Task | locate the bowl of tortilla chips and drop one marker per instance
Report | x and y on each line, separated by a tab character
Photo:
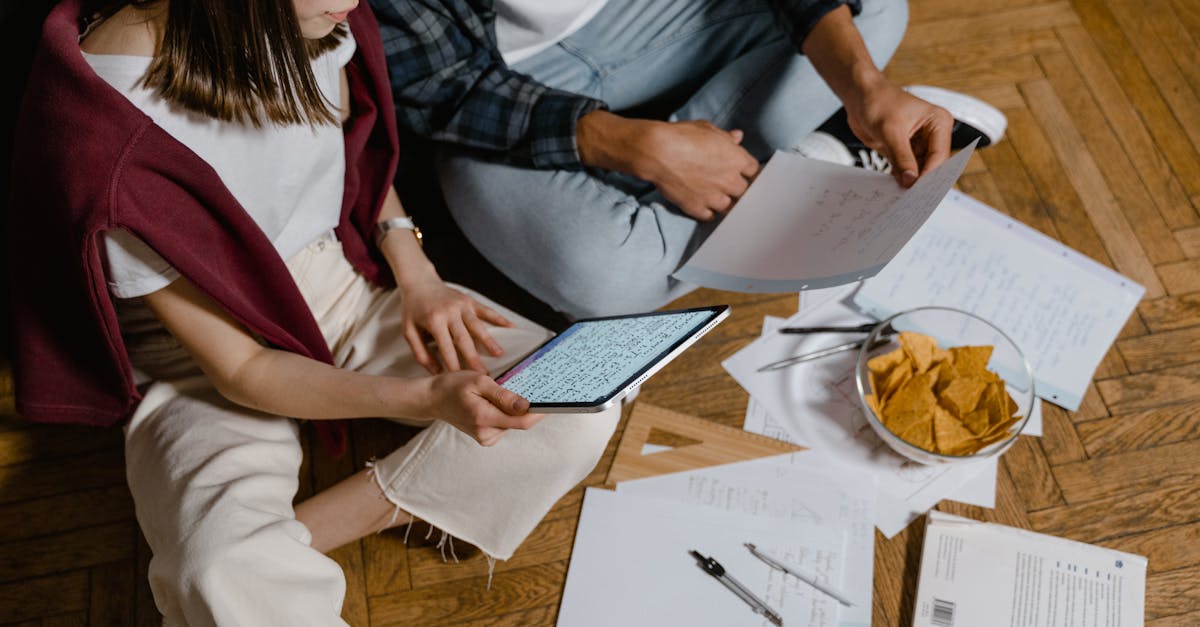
941	385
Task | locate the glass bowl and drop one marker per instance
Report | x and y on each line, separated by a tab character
950	328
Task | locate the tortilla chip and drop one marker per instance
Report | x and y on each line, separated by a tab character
961	396
971	360
919	348
977	421
883	363
913	396
919	434
896	379
949	434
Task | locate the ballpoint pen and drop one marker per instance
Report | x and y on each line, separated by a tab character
806	579
880	339
714	568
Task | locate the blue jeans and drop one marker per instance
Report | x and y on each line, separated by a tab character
592	243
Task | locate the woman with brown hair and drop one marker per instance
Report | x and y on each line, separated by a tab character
205	240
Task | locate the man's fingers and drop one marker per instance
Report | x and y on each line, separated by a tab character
420	352
900	153
937	147
737	135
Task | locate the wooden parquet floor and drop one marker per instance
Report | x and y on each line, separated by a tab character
1102	153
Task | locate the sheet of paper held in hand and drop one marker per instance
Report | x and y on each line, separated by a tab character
808	224
1061	307
987	575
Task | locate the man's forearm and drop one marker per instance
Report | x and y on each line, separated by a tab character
837	51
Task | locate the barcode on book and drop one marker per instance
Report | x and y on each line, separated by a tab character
943	613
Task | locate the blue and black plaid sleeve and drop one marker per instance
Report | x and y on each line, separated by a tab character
451	85
798	17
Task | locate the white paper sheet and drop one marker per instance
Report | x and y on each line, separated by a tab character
808	487
1063	309
808	224
816	405
630	565
988	575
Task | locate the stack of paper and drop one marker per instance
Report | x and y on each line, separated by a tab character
630	564
987	575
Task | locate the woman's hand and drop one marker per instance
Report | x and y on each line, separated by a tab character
454	321
478	406
913	134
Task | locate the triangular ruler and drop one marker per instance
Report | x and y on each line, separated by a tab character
718	445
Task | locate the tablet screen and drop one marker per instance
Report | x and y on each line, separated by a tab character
594	359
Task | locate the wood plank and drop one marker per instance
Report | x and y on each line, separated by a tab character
1059	440
112	593
73	619
1189	241
550	541
34	479
327	472
1161	350
1155	171
1181	277
1172	593
1029	472
1120	515
929	10
1135	81
1130	472
1004	96
893	597
992	24
1111	365
470	599
969	77
34	597
1172	312
22	442
1068	219
1166	549
1191	619
1092	406
385	561
58	553
1181	44
537	616
1106	215
1116	167
1021	199
1148	44
982	187
915	57
1147	429
56	514
1149	390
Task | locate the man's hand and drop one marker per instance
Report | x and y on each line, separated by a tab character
913	134
700	168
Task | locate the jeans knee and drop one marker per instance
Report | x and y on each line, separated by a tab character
882	24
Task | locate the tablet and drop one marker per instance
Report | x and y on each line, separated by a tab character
595	362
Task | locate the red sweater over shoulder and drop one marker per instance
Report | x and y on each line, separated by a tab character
87	160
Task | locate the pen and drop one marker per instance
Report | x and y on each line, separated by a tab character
862	328
714	568
806	579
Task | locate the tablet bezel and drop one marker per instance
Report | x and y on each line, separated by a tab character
718	313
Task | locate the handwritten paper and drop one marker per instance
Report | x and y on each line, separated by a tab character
630	565
1061	308
809	487
808	224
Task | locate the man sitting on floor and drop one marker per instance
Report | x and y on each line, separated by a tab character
586	146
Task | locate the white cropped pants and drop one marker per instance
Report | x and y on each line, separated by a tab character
213	482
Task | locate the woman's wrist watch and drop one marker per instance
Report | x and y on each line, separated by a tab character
382	228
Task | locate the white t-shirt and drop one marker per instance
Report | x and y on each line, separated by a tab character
527	27
288	178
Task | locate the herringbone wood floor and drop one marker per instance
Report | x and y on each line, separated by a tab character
1102	152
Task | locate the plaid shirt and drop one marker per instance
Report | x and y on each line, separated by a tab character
451	85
